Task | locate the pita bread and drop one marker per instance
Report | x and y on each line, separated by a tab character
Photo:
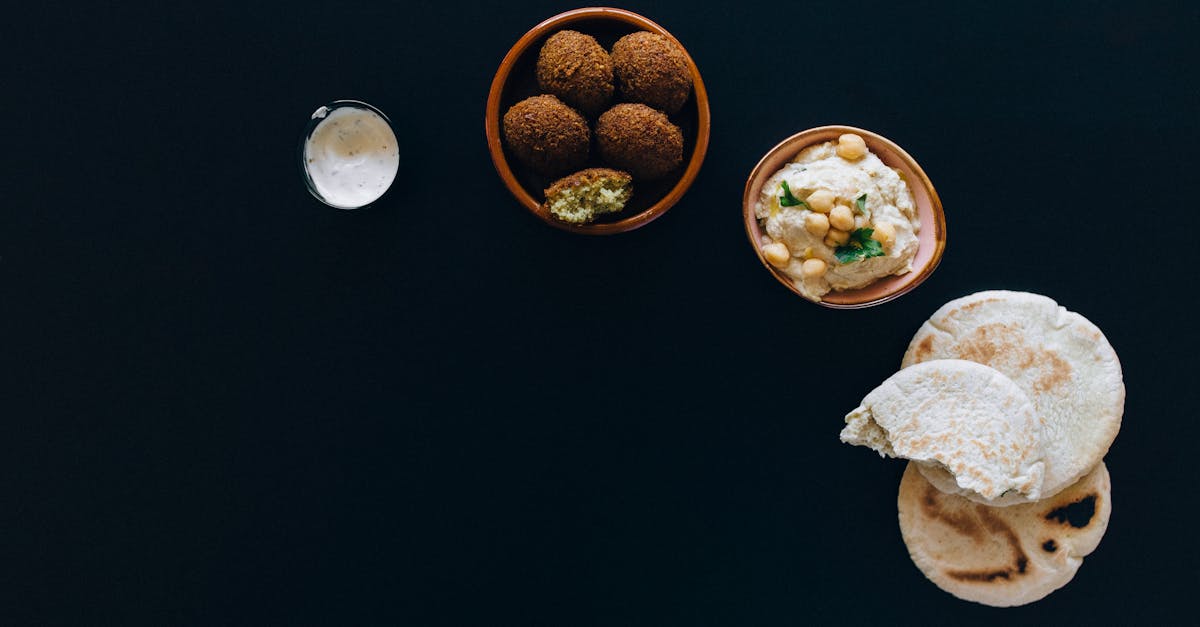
956	415
1061	361
1002	556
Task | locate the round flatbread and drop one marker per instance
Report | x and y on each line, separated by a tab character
1002	556
959	416
1057	357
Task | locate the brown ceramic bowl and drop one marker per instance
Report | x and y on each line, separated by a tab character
516	80
929	209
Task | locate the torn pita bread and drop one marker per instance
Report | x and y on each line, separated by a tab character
959	416
1058	358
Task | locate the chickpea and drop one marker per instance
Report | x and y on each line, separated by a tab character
851	147
812	268
817	224
821	200
836	238
777	254
842	218
885	234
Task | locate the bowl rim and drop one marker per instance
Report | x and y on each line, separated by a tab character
798	142
315	119
492	122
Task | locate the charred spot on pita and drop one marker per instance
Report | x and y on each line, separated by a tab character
986	575
1049	546
998	527
1077	514
925	348
961	522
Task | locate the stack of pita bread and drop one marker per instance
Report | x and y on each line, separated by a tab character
1005	406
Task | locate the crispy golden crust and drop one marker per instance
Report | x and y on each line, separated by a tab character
652	69
587	177
547	135
640	140
573	66
586	195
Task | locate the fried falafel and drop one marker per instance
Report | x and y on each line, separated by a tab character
585	195
640	140
574	67
653	70
547	135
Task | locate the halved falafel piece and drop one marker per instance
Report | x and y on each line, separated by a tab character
574	67
547	135
653	70
585	195
640	140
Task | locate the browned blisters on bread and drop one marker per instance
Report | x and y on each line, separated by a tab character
1049	546
997	527
1078	514
925	348
1058	372
978	303
986	343
996	345
962	522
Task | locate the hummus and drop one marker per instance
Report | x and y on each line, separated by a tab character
884	214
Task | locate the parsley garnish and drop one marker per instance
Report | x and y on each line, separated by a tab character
860	247
861	203
788	200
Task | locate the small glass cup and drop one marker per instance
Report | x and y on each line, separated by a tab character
346	194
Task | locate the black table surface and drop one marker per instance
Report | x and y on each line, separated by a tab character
228	403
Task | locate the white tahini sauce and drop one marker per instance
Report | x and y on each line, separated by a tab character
351	156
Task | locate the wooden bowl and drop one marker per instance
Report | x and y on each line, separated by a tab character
932	235
516	80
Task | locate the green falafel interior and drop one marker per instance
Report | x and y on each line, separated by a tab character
584	196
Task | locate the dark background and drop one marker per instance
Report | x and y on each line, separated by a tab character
227	403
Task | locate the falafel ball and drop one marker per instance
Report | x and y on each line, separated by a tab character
653	70
581	197
639	140
575	68
547	135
